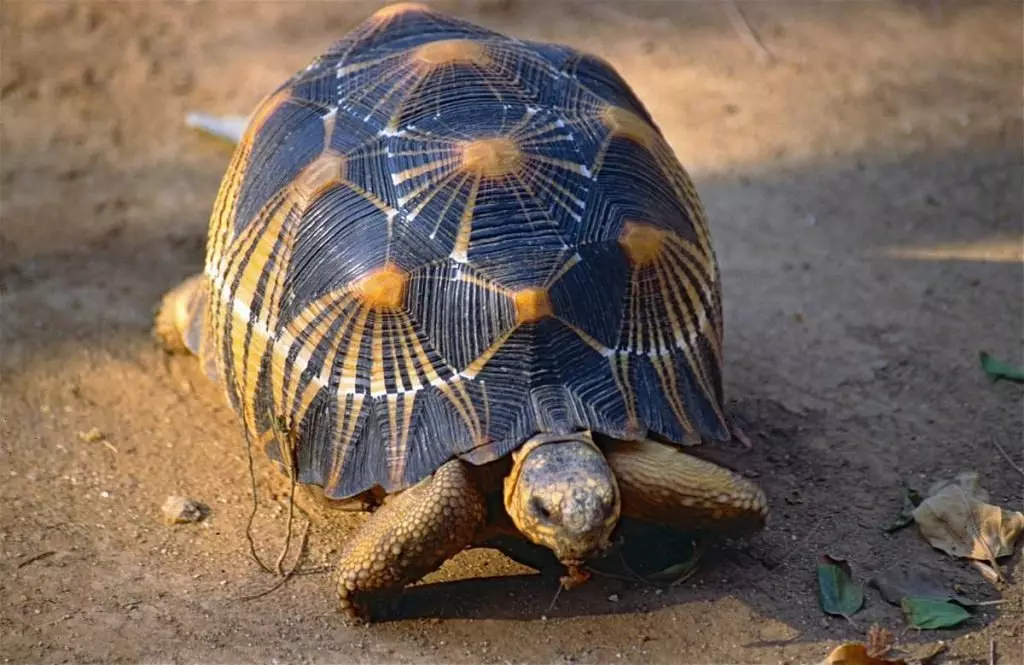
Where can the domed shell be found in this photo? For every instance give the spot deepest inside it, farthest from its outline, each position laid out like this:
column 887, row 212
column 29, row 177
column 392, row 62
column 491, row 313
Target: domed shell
column 436, row 241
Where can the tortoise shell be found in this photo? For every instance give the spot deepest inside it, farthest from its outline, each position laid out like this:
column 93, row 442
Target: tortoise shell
column 436, row 241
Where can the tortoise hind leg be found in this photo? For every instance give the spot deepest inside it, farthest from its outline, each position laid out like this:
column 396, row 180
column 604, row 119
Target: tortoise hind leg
column 411, row 535
column 661, row 484
column 178, row 325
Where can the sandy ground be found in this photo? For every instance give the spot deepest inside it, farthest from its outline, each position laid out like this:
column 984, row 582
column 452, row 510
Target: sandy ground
column 865, row 194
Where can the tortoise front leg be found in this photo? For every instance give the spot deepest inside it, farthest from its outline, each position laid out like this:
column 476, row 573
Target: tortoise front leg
column 179, row 317
column 411, row 535
column 663, row 485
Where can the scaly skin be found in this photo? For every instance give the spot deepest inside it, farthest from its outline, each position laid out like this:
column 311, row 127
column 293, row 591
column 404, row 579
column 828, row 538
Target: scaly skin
column 411, row 535
column 663, row 485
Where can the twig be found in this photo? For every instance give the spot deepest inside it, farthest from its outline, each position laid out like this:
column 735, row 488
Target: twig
column 554, row 600
column 37, row 557
column 992, row 652
column 747, row 33
column 255, row 505
column 1006, row 456
column 288, row 574
column 289, row 439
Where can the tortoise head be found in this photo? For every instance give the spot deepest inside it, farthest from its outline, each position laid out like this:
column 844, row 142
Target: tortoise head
column 562, row 494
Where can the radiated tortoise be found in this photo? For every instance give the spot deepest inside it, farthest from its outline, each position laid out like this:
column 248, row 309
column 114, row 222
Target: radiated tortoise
column 468, row 273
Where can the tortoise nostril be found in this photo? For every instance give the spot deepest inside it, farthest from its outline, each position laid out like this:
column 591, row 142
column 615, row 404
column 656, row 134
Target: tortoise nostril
column 540, row 509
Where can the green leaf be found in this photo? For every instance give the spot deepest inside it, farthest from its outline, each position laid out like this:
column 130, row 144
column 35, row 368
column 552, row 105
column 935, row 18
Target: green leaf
column 911, row 499
column 679, row 572
column 930, row 614
column 1000, row 370
column 838, row 594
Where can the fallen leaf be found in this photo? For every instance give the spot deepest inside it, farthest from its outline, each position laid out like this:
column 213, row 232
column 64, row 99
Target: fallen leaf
column 991, row 575
column 997, row 369
column 929, row 614
column 675, row 574
column 897, row 583
column 956, row 519
column 911, row 499
column 855, row 653
column 838, row 594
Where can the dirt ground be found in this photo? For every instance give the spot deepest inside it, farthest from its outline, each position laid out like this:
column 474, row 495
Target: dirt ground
column 864, row 188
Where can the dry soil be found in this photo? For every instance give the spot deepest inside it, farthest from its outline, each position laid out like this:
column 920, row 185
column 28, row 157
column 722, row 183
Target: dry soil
column 864, row 187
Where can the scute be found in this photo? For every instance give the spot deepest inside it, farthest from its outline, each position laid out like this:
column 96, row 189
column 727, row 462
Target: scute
column 436, row 241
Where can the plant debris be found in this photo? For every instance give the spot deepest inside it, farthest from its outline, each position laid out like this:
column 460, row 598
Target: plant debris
column 838, row 594
column 94, row 435
column 678, row 573
column 874, row 652
column 855, row 653
column 930, row 614
column 999, row 370
column 911, row 499
column 957, row 519
column 879, row 649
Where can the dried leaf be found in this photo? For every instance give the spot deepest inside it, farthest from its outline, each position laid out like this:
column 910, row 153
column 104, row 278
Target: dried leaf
column 880, row 641
column 897, row 583
column 911, row 499
column 997, row 369
column 955, row 519
column 929, row 614
column 855, row 653
column 991, row 575
column 838, row 594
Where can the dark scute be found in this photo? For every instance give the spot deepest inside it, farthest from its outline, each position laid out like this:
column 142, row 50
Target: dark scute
column 630, row 187
column 556, row 55
column 462, row 317
column 341, row 237
column 515, row 259
column 407, row 30
column 351, row 134
column 456, row 100
column 604, row 81
column 656, row 412
column 592, row 294
column 441, row 435
column 367, row 166
column 291, row 137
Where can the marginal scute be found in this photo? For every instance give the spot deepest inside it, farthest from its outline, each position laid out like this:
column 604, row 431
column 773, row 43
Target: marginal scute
column 264, row 109
column 643, row 243
column 453, row 52
column 382, row 288
column 532, row 305
column 491, row 157
column 628, row 125
column 389, row 12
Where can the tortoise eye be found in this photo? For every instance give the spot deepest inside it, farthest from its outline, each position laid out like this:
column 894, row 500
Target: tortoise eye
column 540, row 509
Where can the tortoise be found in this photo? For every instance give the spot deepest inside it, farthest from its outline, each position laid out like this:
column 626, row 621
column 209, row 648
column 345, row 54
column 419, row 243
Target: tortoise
column 462, row 280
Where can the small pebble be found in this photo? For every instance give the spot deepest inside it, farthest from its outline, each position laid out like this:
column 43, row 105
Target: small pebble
column 182, row 510
column 614, row 598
